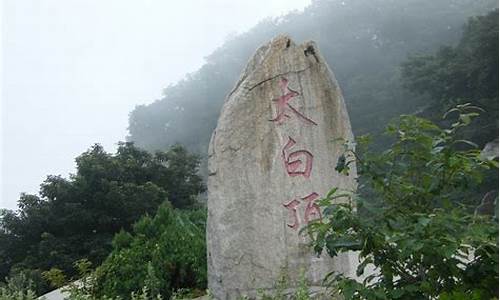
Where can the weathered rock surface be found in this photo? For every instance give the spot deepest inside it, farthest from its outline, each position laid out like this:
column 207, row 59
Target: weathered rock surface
column 271, row 156
column 490, row 150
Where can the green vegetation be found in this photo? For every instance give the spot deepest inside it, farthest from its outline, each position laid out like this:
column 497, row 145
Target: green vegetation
column 17, row 287
column 412, row 218
column 364, row 41
column 301, row 292
column 416, row 229
column 164, row 253
column 77, row 217
column 467, row 72
column 134, row 215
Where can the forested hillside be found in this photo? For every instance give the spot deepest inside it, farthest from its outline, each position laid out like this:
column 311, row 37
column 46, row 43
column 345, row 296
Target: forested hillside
column 467, row 72
column 364, row 41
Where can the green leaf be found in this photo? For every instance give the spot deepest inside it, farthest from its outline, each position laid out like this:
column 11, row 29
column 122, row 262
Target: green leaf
column 397, row 293
column 466, row 142
column 361, row 267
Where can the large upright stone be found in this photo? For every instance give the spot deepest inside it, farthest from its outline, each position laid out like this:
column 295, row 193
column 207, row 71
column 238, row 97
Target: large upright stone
column 274, row 153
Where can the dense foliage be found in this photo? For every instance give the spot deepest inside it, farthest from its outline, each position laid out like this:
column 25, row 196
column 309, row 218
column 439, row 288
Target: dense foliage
column 467, row 72
column 77, row 217
column 163, row 257
column 421, row 240
column 364, row 41
column 164, row 253
column 18, row 287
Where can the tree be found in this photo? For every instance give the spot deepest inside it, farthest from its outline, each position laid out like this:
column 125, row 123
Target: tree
column 364, row 41
column 467, row 72
column 77, row 217
column 184, row 182
column 418, row 229
column 163, row 253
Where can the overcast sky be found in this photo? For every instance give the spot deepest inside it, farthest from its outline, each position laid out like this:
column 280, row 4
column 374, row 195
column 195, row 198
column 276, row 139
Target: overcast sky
column 71, row 71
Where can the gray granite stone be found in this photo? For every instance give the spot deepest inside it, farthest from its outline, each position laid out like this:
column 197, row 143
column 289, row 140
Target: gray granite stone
column 271, row 156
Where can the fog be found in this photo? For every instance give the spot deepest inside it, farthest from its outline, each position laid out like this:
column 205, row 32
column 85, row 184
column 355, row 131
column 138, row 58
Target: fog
column 72, row 71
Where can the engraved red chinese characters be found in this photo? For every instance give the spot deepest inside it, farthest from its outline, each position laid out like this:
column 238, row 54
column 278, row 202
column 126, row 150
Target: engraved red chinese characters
column 282, row 105
column 297, row 162
column 292, row 211
column 312, row 209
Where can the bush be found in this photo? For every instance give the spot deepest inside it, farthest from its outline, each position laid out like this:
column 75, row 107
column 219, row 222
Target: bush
column 18, row 287
column 418, row 229
column 164, row 253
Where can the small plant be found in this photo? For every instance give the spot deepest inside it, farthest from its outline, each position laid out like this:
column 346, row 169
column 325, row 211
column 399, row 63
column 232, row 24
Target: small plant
column 55, row 276
column 6, row 294
column 18, row 287
column 283, row 290
column 185, row 293
column 144, row 295
column 302, row 291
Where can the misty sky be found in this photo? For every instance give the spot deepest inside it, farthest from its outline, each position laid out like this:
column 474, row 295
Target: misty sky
column 71, row 71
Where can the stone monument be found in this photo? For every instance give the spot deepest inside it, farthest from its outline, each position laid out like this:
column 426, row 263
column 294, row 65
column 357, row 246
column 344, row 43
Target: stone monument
column 272, row 155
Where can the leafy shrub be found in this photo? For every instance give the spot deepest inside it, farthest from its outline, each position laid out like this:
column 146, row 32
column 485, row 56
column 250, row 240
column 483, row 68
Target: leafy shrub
column 163, row 253
column 422, row 236
column 18, row 287
column 55, row 276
